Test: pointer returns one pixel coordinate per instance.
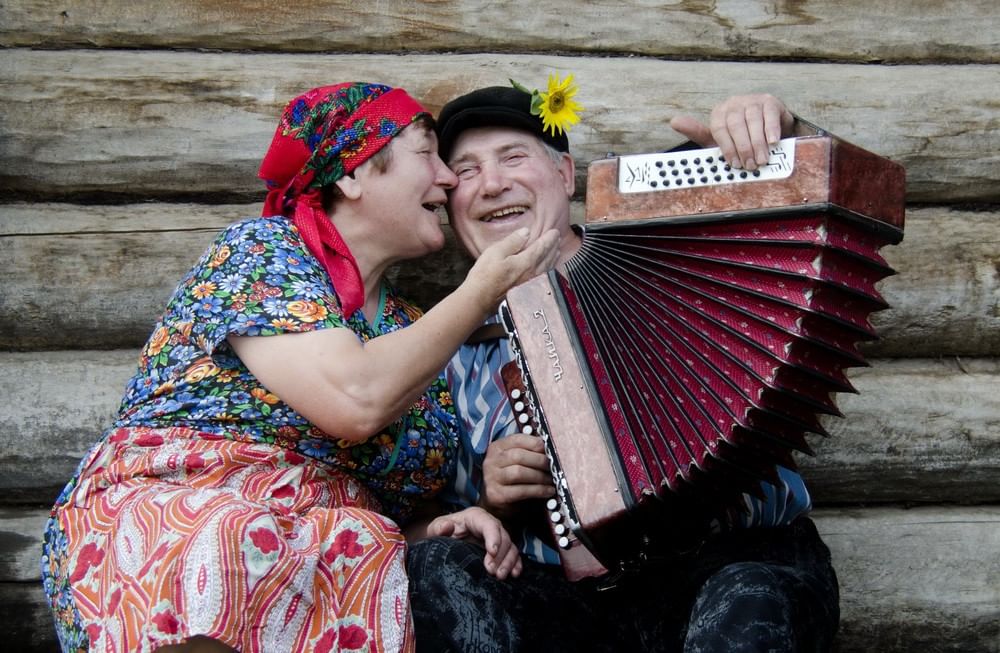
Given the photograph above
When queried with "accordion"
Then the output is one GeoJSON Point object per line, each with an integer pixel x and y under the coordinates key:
{"type": "Point", "coordinates": [699, 333]}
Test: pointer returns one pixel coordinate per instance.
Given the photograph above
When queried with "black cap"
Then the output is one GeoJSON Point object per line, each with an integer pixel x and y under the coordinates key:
{"type": "Point", "coordinates": [493, 106]}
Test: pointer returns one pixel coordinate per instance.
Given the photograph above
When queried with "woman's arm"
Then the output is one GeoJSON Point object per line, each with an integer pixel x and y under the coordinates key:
{"type": "Point", "coordinates": [352, 389]}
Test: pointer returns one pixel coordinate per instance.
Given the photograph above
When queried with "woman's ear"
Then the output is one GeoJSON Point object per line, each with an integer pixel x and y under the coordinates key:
{"type": "Point", "coordinates": [349, 186]}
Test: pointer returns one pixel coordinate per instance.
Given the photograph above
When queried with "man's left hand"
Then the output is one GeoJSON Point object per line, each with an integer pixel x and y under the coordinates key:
{"type": "Point", "coordinates": [742, 126]}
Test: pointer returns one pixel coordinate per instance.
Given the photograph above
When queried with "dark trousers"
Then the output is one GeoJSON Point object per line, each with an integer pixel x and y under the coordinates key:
{"type": "Point", "coordinates": [766, 589]}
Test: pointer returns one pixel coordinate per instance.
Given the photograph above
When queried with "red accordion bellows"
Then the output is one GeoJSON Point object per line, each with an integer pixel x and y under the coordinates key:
{"type": "Point", "coordinates": [704, 325]}
{"type": "Point", "coordinates": [700, 340]}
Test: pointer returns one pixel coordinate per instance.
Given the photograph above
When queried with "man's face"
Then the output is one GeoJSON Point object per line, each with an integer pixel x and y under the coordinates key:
{"type": "Point", "coordinates": [507, 180]}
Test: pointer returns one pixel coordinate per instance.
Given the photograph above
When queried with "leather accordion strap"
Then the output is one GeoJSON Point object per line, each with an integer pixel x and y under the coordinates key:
{"type": "Point", "coordinates": [486, 332]}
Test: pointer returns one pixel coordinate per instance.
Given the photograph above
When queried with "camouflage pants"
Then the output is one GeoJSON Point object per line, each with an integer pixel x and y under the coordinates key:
{"type": "Point", "coordinates": [770, 589]}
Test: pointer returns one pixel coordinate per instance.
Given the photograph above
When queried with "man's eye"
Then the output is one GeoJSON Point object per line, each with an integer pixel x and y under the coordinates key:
{"type": "Point", "coordinates": [514, 159]}
{"type": "Point", "coordinates": [465, 172]}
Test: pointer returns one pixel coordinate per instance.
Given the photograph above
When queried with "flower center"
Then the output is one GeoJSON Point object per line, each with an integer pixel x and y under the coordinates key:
{"type": "Point", "coordinates": [556, 102]}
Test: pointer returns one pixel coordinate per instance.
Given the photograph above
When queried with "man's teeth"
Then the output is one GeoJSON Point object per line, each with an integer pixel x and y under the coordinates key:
{"type": "Point", "coordinates": [502, 213]}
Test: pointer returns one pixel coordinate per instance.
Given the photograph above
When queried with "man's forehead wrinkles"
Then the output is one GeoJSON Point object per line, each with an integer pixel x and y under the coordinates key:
{"type": "Point", "coordinates": [479, 152]}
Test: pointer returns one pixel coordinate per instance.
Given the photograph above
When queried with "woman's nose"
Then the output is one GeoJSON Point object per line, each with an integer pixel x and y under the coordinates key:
{"type": "Point", "coordinates": [445, 177]}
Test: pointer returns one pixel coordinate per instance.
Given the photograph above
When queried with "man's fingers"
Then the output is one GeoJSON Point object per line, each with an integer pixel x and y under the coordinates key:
{"type": "Point", "coordinates": [723, 139]}
{"type": "Point", "coordinates": [520, 441]}
{"type": "Point", "coordinates": [774, 121]}
{"type": "Point", "coordinates": [523, 458]}
{"type": "Point", "coordinates": [739, 133]}
{"type": "Point", "coordinates": [693, 130]}
{"type": "Point", "coordinates": [753, 119]}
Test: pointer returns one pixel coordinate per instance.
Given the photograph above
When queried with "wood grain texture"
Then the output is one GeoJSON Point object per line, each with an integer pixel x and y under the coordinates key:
{"type": "Point", "coordinates": [916, 580]}
{"type": "Point", "coordinates": [853, 30]}
{"type": "Point", "coordinates": [910, 579]}
{"type": "Point", "coordinates": [97, 277]}
{"type": "Point", "coordinates": [185, 124]}
{"type": "Point", "coordinates": [921, 430]}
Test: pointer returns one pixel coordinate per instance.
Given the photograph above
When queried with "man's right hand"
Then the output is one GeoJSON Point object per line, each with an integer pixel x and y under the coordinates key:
{"type": "Point", "coordinates": [515, 468]}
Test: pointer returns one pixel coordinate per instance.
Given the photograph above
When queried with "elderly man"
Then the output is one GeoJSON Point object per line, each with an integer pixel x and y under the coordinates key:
{"type": "Point", "coordinates": [761, 583]}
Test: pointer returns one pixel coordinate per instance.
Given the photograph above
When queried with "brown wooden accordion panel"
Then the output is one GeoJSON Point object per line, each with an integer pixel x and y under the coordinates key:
{"type": "Point", "coordinates": [688, 354]}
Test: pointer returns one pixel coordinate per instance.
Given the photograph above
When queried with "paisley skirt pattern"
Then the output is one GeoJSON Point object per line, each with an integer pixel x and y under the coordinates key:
{"type": "Point", "coordinates": [168, 533]}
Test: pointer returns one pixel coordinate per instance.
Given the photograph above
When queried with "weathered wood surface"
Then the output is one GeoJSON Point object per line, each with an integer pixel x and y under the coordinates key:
{"type": "Point", "coordinates": [910, 579]}
{"type": "Point", "coordinates": [855, 30]}
{"type": "Point", "coordinates": [98, 276]}
{"type": "Point", "coordinates": [185, 124]}
{"type": "Point", "coordinates": [919, 430]}
{"type": "Point", "coordinates": [925, 579]}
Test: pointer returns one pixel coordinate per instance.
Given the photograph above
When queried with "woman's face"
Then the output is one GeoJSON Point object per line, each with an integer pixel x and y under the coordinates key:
{"type": "Point", "coordinates": [403, 202]}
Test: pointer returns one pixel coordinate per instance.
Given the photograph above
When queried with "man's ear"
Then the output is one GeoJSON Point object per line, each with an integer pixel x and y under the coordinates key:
{"type": "Point", "coordinates": [349, 186]}
{"type": "Point", "coordinates": [567, 170]}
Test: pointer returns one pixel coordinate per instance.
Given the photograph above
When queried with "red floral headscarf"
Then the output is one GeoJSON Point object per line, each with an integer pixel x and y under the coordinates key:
{"type": "Point", "coordinates": [323, 135]}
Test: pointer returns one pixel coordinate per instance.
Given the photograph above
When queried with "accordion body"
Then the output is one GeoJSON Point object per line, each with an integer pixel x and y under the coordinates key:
{"type": "Point", "coordinates": [699, 334]}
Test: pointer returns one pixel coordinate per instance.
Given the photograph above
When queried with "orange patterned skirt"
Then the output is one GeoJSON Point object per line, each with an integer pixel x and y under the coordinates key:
{"type": "Point", "coordinates": [170, 533]}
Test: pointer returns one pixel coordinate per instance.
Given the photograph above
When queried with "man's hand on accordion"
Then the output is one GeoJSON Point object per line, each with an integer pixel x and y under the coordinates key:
{"type": "Point", "coordinates": [502, 557]}
{"type": "Point", "coordinates": [742, 126]}
{"type": "Point", "coordinates": [515, 469]}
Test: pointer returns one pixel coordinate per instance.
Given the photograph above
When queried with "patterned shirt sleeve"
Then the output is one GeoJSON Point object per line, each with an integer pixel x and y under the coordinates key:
{"type": "Point", "coordinates": [257, 278]}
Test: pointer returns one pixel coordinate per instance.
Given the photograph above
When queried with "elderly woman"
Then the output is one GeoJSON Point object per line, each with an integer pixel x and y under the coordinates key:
{"type": "Point", "coordinates": [288, 410]}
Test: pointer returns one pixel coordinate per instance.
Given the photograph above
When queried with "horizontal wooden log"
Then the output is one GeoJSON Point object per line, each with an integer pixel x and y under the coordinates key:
{"type": "Point", "coordinates": [919, 430]}
{"type": "Point", "coordinates": [925, 579]}
{"type": "Point", "coordinates": [185, 124]}
{"type": "Point", "coordinates": [920, 579]}
{"type": "Point", "coordinates": [98, 276]}
{"type": "Point", "coordinates": [945, 297]}
{"type": "Point", "coordinates": [896, 31]}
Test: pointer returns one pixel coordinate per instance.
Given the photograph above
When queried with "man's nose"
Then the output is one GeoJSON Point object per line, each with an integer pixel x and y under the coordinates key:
{"type": "Point", "coordinates": [494, 179]}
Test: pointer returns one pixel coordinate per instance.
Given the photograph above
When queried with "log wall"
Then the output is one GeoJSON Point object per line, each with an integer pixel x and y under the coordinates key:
{"type": "Point", "coordinates": [130, 134]}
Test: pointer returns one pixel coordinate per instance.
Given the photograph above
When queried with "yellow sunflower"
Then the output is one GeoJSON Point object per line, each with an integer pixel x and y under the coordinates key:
{"type": "Point", "coordinates": [558, 110]}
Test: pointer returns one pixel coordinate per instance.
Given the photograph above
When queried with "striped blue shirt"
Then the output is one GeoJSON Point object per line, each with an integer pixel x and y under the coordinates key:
{"type": "Point", "coordinates": [484, 414]}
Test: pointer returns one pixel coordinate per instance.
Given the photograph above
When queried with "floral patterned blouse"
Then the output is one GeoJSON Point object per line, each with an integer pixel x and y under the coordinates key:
{"type": "Point", "coordinates": [258, 279]}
